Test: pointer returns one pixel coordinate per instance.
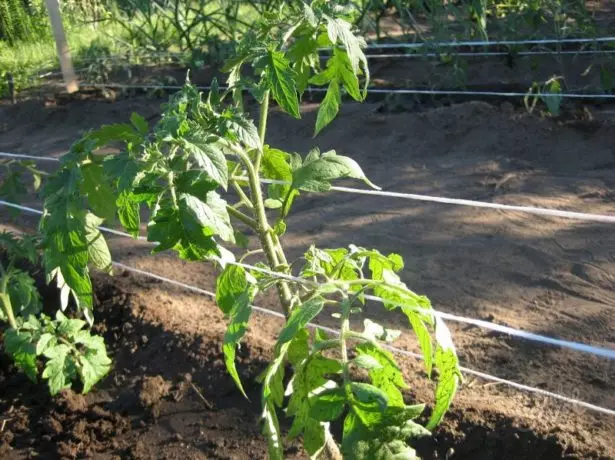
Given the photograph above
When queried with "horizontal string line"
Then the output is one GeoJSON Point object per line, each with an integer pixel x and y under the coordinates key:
{"type": "Point", "coordinates": [399, 351]}
{"type": "Point", "coordinates": [584, 348]}
{"type": "Point", "coordinates": [435, 92]}
{"type": "Point", "coordinates": [482, 375]}
{"type": "Point", "coordinates": [413, 196]}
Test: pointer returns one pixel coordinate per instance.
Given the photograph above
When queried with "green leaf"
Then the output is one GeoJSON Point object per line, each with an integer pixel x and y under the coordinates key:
{"type": "Point", "coordinates": [241, 240]}
{"type": "Point", "coordinates": [208, 155]}
{"type": "Point", "coordinates": [128, 213]}
{"type": "Point", "coordinates": [271, 431]}
{"type": "Point", "coordinates": [196, 183]}
{"type": "Point", "coordinates": [93, 365]}
{"type": "Point", "coordinates": [552, 97]}
{"type": "Point", "coordinates": [211, 215]}
{"type": "Point", "coordinates": [281, 81]}
{"type": "Point", "coordinates": [24, 296]}
{"type": "Point", "coordinates": [98, 251]}
{"type": "Point", "coordinates": [213, 97]}
{"type": "Point", "coordinates": [304, 57]}
{"type": "Point", "coordinates": [300, 316]}
{"type": "Point", "coordinates": [119, 132]}
{"type": "Point", "coordinates": [140, 123]}
{"type": "Point", "coordinates": [314, 437]}
{"type": "Point", "coordinates": [339, 70]}
{"type": "Point", "coordinates": [279, 228]}
{"type": "Point", "coordinates": [66, 251]}
{"type": "Point", "coordinates": [447, 363]}
{"type": "Point", "coordinates": [366, 362]}
{"type": "Point", "coordinates": [241, 129]}
{"type": "Point", "coordinates": [329, 107]}
{"type": "Point", "coordinates": [272, 396]}
{"type": "Point", "coordinates": [328, 405]}
{"type": "Point", "coordinates": [178, 229]}
{"type": "Point", "coordinates": [59, 369]}
{"type": "Point", "coordinates": [385, 441]}
{"type": "Point", "coordinates": [369, 394]}
{"type": "Point", "coordinates": [377, 332]}
{"type": "Point", "coordinates": [45, 341]}
{"type": "Point", "coordinates": [317, 171]}
{"type": "Point", "coordinates": [230, 285]}
{"type": "Point", "coordinates": [424, 337]}
{"type": "Point", "coordinates": [19, 345]}
{"type": "Point", "coordinates": [68, 327]}
{"type": "Point", "coordinates": [240, 314]}
{"type": "Point", "coordinates": [310, 379]}
{"type": "Point", "coordinates": [299, 348]}
{"type": "Point", "coordinates": [384, 372]}
{"type": "Point", "coordinates": [101, 196]}
{"type": "Point", "coordinates": [417, 308]}
{"type": "Point", "coordinates": [341, 31]}
{"type": "Point", "coordinates": [275, 165]}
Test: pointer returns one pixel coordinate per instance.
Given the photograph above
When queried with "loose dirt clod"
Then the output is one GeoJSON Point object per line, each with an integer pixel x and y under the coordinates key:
{"type": "Point", "coordinates": [71, 402]}
{"type": "Point", "coordinates": [153, 390]}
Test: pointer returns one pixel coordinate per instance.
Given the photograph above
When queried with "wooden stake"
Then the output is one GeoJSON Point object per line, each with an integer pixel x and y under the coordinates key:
{"type": "Point", "coordinates": [66, 63]}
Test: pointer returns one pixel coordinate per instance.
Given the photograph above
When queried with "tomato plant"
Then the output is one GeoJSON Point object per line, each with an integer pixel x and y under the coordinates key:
{"type": "Point", "coordinates": [66, 347]}
{"type": "Point", "coordinates": [182, 170]}
{"type": "Point", "coordinates": [63, 347]}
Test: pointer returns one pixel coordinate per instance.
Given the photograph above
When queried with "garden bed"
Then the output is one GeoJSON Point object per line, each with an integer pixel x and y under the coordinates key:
{"type": "Point", "coordinates": [169, 396]}
{"type": "Point", "coordinates": [550, 276]}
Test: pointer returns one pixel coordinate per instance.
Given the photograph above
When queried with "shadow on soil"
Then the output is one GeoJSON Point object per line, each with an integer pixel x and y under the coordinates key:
{"type": "Point", "coordinates": [149, 408]}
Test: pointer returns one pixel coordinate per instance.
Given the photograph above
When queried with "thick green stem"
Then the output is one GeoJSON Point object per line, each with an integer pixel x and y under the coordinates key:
{"type": "Point", "coordinates": [171, 180]}
{"type": "Point", "coordinates": [242, 217]}
{"type": "Point", "coordinates": [263, 229]}
{"type": "Point", "coordinates": [344, 330]}
{"type": "Point", "coordinates": [262, 124]}
{"type": "Point", "coordinates": [6, 301]}
{"type": "Point", "coordinates": [262, 129]}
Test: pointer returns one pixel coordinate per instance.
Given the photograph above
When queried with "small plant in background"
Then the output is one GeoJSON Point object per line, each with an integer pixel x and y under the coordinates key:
{"type": "Point", "coordinates": [549, 93]}
{"type": "Point", "coordinates": [201, 148]}
{"type": "Point", "coordinates": [16, 175]}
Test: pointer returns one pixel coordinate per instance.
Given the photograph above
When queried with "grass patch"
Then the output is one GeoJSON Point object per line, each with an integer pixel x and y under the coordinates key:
{"type": "Point", "coordinates": [26, 60]}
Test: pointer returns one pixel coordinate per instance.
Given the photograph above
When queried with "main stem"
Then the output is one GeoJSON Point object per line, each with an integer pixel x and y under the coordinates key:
{"type": "Point", "coordinates": [6, 301]}
{"type": "Point", "coordinates": [271, 242]}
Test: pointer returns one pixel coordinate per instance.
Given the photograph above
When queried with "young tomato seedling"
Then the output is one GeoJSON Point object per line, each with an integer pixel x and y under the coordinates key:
{"type": "Point", "coordinates": [69, 351]}
{"type": "Point", "coordinates": [183, 171]}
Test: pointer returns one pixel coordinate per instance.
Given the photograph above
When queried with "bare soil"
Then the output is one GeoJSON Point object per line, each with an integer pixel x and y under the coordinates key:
{"type": "Point", "coordinates": [546, 275]}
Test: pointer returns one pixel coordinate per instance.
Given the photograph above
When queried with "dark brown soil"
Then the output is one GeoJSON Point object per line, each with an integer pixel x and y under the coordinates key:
{"type": "Point", "coordinates": [169, 397]}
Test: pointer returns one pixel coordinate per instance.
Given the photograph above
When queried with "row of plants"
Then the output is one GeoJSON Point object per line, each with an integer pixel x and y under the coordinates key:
{"type": "Point", "coordinates": [206, 32]}
{"type": "Point", "coordinates": [176, 173]}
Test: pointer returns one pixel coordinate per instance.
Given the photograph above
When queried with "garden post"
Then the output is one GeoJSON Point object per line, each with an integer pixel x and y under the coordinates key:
{"type": "Point", "coordinates": [66, 63]}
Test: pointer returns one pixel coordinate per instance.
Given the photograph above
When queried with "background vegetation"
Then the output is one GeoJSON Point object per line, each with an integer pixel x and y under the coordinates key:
{"type": "Point", "coordinates": [205, 31]}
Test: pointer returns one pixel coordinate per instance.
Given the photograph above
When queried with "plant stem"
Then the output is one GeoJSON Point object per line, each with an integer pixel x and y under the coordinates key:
{"type": "Point", "coordinates": [262, 130]}
{"type": "Point", "coordinates": [242, 194]}
{"type": "Point", "coordinates": [250, 253]}
{"type": "Point", "coordinates": [262, 124]}
{"type": "Point", "coordinates": [263, 229]}
{"type": "Point", "coordinates": [6, 301]}
{"type": "Point", "coordinates": [171, 179]}
{"type": "Point", "coordinates": [344, 330]}
{"type": "Point", "coordinates": [331, 446]}
{"type": "Point", "coordinates": [242, 217]}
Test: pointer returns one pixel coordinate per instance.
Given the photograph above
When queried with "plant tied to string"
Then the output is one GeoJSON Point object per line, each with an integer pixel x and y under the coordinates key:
{"type": "Point", "coordinates": [198, 173]}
